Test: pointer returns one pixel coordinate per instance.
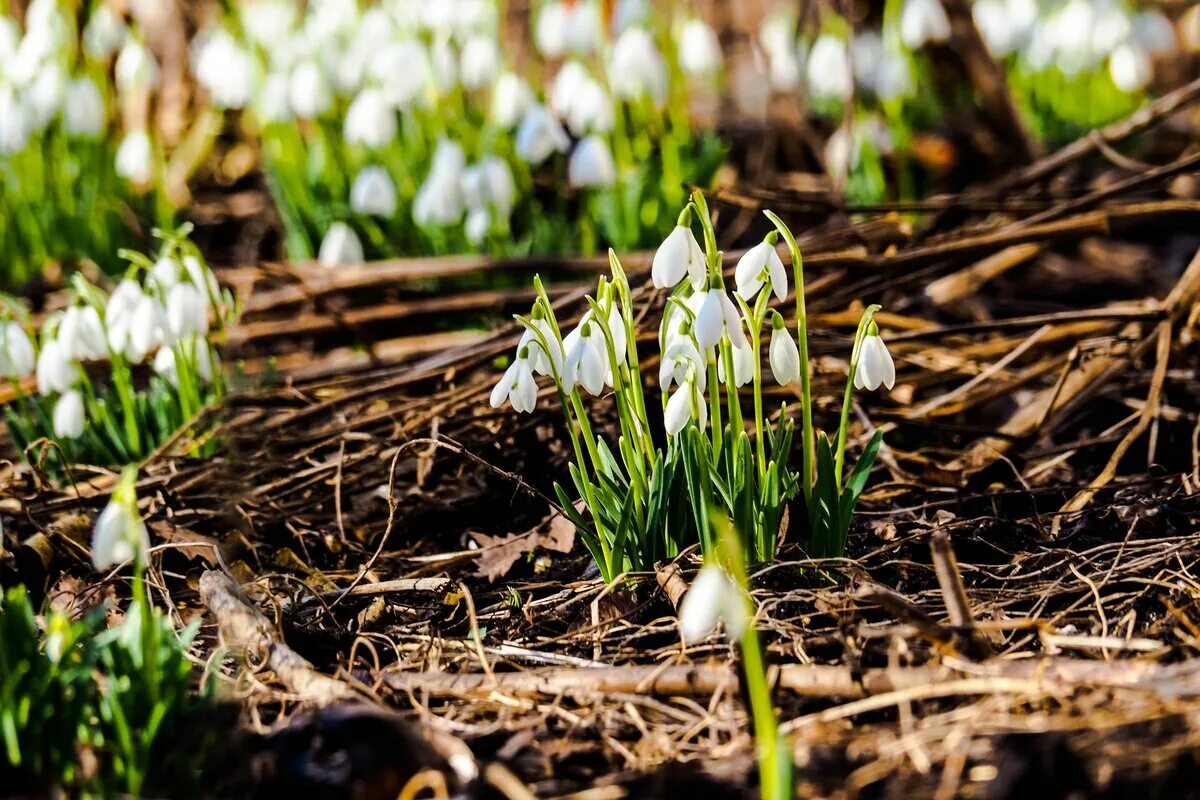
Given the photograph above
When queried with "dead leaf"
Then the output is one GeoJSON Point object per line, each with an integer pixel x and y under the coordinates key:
{"type": "Point", "coordinates": [191, 544]}
{"type": "Point", "coordinates": [498, 554]}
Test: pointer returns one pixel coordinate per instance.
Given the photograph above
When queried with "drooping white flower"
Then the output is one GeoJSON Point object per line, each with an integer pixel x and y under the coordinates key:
{"type": "Point", "coordinates": [875, 365]}
{"type": "Point", "coordinates": [699, 49]}
{"type": "Point", "coordinates": [202, 277]}
{"type": "Point", "coordinates": [679, 357]}
{"type": "Point", "coordinates": [586, 361]}
{"type": "Point", "coordinates": [136, 70]}
{"type": "Point", "coordinates": [637, 69]}
{"type": "Point", "coordinates": [104, 33]}
{"type": "Point", "coordinates": [45, 94]}
{"type": "Point", "coordinates": [679, 255]}
{"type": "Point", "coordinates": [686, 405]}
{"type": "Point", "coordinates": [187, 312]}
{"type": "Point", "coordinates": [1130, 67]}
{"type": "Point", "coordinates": [584, 29]}
{"type": "Point", "coordinates": [199, 353]}
{"type": "Point", "coordinates": [539, 136]}
{"type": "Point", "coordinates": [479, 62]}
{"type": "Point", "coordinates": [15, 123]}
{"type": "Point", "coordinates": [783, 354]}
{"type": "Point", "coordinates": [591, 164]}
{"type": "Point", "coordinates": [761, 264]}
{"type": "Point", "coordinates": [404, 72]}
{"type": "Point", "coordinates": [55, 370]}
{"type": "Point", "coordinates": [271, 102]}
{"type": "Point", "coordinates": [83, 111]}
{"type": "Point", "coordinates": [511, 98]}
{"type": "Point", "coordinates": [67, 417]}
{"type": "Point", "coordinates": [777, 35]}
{"type": "Point", "coordinates": [590, 109]}
{"type": "Point", "coordinates": [81, 334]}
{"type": "Point", "coordinates": [370, 120]}
{"type": "Point", "coordinates": [743, 359]}
{"type": "Point", "coordinates": [488, 185]}
{"type": "Point", "coordinates": [543, 362]}
{"type": "Point", "coordinates": [120, 534]}
{"type": "Point", "coordinates": [477, 224]}
{"type": "Point", "coordinates": [923, 21]}
{"type": "Point", "coordinates": [713, 597]}
{"type": "Point", "coordinates": [443, 65]}
{"type": "Point", "coordinates": [996, 25]}
{"type": "Point", "coordinates": [719, 316]}
{"type": "Point", "coordinates": [266, 21]}
{"type": "Point", "coordinates": [340, 246]}
{"type": "Point", "coordinates": [135, 158]}
{"type": "Point", "coordinates": [439, 200]}
{"type": "Point", "coordinates": [225, 70]}
{"type": "Point", "coordinates": [517, 386]}
{"type": "Point", "coordinates": [829, 75]}
{"type": "Point", "coordinates": [309, 93]}
{"type": "Point", "coordinates": [16, 352]}
{"type": "Point", "coordinates": [373, 192]}
{"type": "Point", "coordinates": [550, 29]}
{"type": "Point", "coordinates": [566, 81]}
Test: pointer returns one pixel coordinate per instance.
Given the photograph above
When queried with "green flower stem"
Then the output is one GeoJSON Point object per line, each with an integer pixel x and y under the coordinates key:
{"type": "Point", "coordinates": [848, 397]}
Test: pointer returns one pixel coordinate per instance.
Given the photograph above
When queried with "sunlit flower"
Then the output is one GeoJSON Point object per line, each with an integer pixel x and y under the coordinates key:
{"type": "Point", "coordinates": [104, 33]}
{"type": "Point", "coordinates": [373, 192]}
{"type": "Point", "coordinates": [309, 93]}
{"type": "Point", "coordinates": [488, 185]}
{"type": "Point", "coordinates": [511, 98]}
{"type": "Point", "coordinates": [699, 49]}
{"type": "Point", "coordinates": [45, 94]}
{"type": "Point", "coordinates": [225, 70]}
{"type": "Point", "coordinates": [778, 39]}
{"type": "Point", "coordinates": [586, 361]}
{"type": "Point", "coordinates": [584, 27]}
{"type": "Point", "coordinates": [543, 362]}
{"type": "Point", "coordinates": [783, 354]}
{"type": "Point", "coordinates": [591, 109]}
{"type": "Point", "coordinates": [479, 62]}
{"type": "Point", "coordinates": [637, 69]}
{"type": "Point", "coordinates": [761, 264]}
{"type": "Point", "coordinates": [539, 136]}
{"type": "Point", "coordinates": [829, 75]}
{"type": "Point", "coordinates": [1130, 67]}
{"type": "Point", "coordinates": [680, 356]}
{"type": "Point", "coordinates": [370, 120]}
{"type": "Point", "coordinates": [340, 246]}
{"type": "Point", "coordinates": [719, 316]}
{"type": "Point", "coordinates": [135, 158]}
{"type": "Point", "coordinates": [713, 597]}
{"type": "Point", "coordinates": [16, 351]}
{"type": "Point", "coordinates": [403, 71]}
{"type": "Point", "coordinates": [15, 123]}
{"type": "Point", "coordinates": [686, 405]}
{"type": "Point", "coordinates": [550, 29]}
{"type": "Point", "coordinates": [744, 359]}
{"type": "Point", "coordinates": [136, 70]}
{"type": "Point", "coordinates": [84, 113]}
{"type": "Point", "coordinates": [517, 386]}
{"type": "Point", "coordinates": [120, 534]}
{"type": "Point", "coordinates": [187, 312]}
{"type": "Point", "coordinates": [67, 417]}
{"type": "Point", "coordinates": [875, 365]}
{"type": "Point", "coordinates": [923, 21]}
{"type": "Point", "coordinates": [440, 201]}
{"type": "Point", "coordinates": [81, 334]}
{"type": "Point", "coordinates": [591, 164]}
{"type": "Point", "coordinates": [55, 370]}
{"type": "Point", "coordinates": [679, 255]}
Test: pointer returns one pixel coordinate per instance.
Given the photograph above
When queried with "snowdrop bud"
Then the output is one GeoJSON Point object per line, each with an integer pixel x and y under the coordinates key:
{"type": "Point", "coordinates": [829, 75]}
{"type": "Point", "coordinates": [759, 265]}
{"type": "Point", "coordinates": [84, 113]}
{"type": "Point", "coordinates": [187, 311]}
{"type": "Point", "coordinates": [15, 122]}
{"type": "Point", "coordinates": [104, 33]}
{"type": "Point", "coordinates": [783, 353]}
{"type": "Point", "coordinates": [699, 49]}
{"type": "Point", "coordinates": [480, 61]}
{"type": "Point", "coordinates": [550, 29]}
{"type": "Point", "coordinates": [55, 370]}
{"type": "Point", "coordinates": [511, 98]}
{"type": "Point", "coordinates": [679, 255]}
{"type": "Point", "coordinates": [591, 164]}
{"type": "Point", "coordinates": [875, 365]}
{"type": "Point", "coordinates": [712, 598]}
{"type": "Point", "coordinates": [373, 192]}
{"type": "Point", "coordinates": [82, 334]}
{"type": "Point", "coordinates": [1130, 67]}
{"type": "Point", "coordinates": [923, 21]}
{"type": "Point", "coordinates": [309, 93]}
{"type": "Point", "coordinates": [16, 352]}
{"type": "Point", "coordinates": [135, 160]}
{"type": "Point", "coordinates": [136, 70]}
{"type": "Point", "coordinates": [67, 418]}
{"type": "Point", "coordinates": [340, 246]}
{"type": "Point", "coordinates": [637, 68]}
{"type": "Point", "coordinates": [120, 534]}
{"type": "Point", "coordinates": [539, 136]}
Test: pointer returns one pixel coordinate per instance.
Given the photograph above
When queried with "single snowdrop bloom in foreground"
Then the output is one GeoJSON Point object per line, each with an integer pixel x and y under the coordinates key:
{"type": "Point", "coordinates": [875, 365]}
{"type": "Point", "coordinates": [16, 352]}
{"type": "Point", "coordinates": [743, 365]}
{"type": "Point", "coordinates": [923, 21]}
{"type": "Point", "coordinates": [712, 598]}
{"type": "Point", "coordinates": [586, 361]}
{"type": "Point", "coordinates": [678, 358]}
{"type": "Point", "coordinates": [373, 192]}
{"type": "Point", "coordinates": [517, 385]}
{"type": "Point", "coordinates": [539, 136]}
{"type": "Point", "coordinates": [718, 315]}
{"type": "Point", "coordinates": [120, 534]}
{"type": "Point", "coordinates": [685, 405]}
{"type": "Point", "coordinates": [761, 264]}
{"type": "Point", "coordinates": [135, 158]}
{"type": "Point", "coordinates": [591, 164]}
{"type": "Point", "coordinates": [340, 246]}
{"type": "Point", "coordinates": [68, 415]}
{"type": "Point", "coordinates": [783, 353]}
{"type": "Point", "coordinates": [679, 255]}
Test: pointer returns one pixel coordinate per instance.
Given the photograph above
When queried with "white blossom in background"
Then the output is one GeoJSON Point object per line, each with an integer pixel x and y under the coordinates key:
{"type": "Point", "coordinates": [15, 125]}
{"type": "Point", "coordinates": [591, 164]}
{"type": "Point", "coordinates": [17, 360]}
{"type": "Point", "coordinates": [225, 70]}
{"type": "Point", "coordinates": [104, 33]}
{"type": "Point", "coordinates": [922, 22]}
{"type": "Point", "coordinates": [479, 62]}
{"type": "Point", "coordinates": [135, 158]}
{"type": "Point", "coordinates": [309, 93]}
{"type": "Point", "coordinates": [371, 120]}
{"type": "Point", "coordinates": [84, 112]}
{"type": "Point", "coordinates": [439, 200]}
{"type": "Point", "coordinates": [187, 312]}
{"type": "Point", "coordinates": [271, 104]}
{"type": "Point", "coordinates": [489, 185]}
{"type": "Point", "coordinates": [1153, 31]}
{"type": "Point", "coordinates": [564, 85]}
{"type": "Point", "coordinates": [550, 29]}
{"type": "Point", "coordinates": [880, 68]}
{"type": "Point", "coordinates": [203, 359]}
{"type": "Point", "coordinates": [267, 21]}
{"type": "Point", "coordinates": [1130, 67]}
{"type": "Point", "coordinates": [828, 69]}
{"type": "Point", "coordinates": [120, 535]}
{"type": "Point", "coordinates": [760, 266]}
{"type": "Point", "coordinates": [511, 98]}
{"type": "Point", "coordinates": [743, 365]}
{"type": "Point", "coordinates": [997, 27]}
{"type": "Point", "coordinates": [636, 68]}
{"type": "Point", "coordinates": [81, 334]}
{"type": "Point", "coordinates": [591, 109]}
{"type": "Point", "coordinates": [55, 371]}
{"type": "Point", "coordinates": [403, 71]}
{"type": "Point", "coordinates": [340, 246]}
{"type": "Point", "coordinates": [45, 94]}
{"type": "Point", "coordinates": [875, 365]}
{"type": "Point", "coordinates": [699, 49]}
{"type": "Point", "coordinates": [373, 192]}
{"type": "Point", "coordinates": [539, 136]}
{"type": "Point", "coordinates": [10, 38]}
{"type": "Point", "coordinates": [443, 66]}
{"type": "Point", "coordinates": [777, 37]}
{"type": "Point", "coordinates": [67, 417]}
{"type": "Point", "coordinates": [136, 70]}
{"type": "Point", "coordinates": [679, 255]}
{"type": "Point", "coordinates": [584, 29]}
{"type": "Point", "coordinates": [712, 598]}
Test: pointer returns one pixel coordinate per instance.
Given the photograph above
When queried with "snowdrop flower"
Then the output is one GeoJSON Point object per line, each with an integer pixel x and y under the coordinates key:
{"type": "Point", "coordinates": [880, 68]}
{"type": "Point", "coordinates": [443, 65]}
{"type": "Point", "coordinates": [517, 386]}
{"type": "Point", "coordinates": [187, 312]}
{"type": "Point", "coordinates": [370, 120]}
{"type": "Point", "coordinates": [679, 255]}
{"type": "Point", "coordinates": [15, 123]}
{"type": "Point", "coordinates": [340, 246]}
{"type": "Point", "coordinates": [104, 33]}
{"type": "Point", "coordinates": [477, 224]}
{"type": "Point", "coordinates": [403, 71]}
{"type": "Point", "coordinates": [637, 68]}
{"type": "Point", "coordinates": [479, 62]}
{"type": "Point", "coordinates": [16, 352]}
{"type": "Point", "coordinates": [843, 152]}
{"type": "Point", "coordinates": [67, 417]}
{"type": "Point", "coordinates": [81, 334]}
{"type": "Point", "coordinates": [923, 21]}
{"type": "Point", "coordinates": [136, 70]}
{"type": "Point", "coordinates": [309, 94]}
{"type": "Point", "coordinates": [590, 109]}
{"type": "Point", "coordinates": [699, 49]}
{"type": "Point", "coordinates": [591, 164]}
{"type": "Point", "coordinates": [201, 276]}
{"type": "Point", "coordinates": [680, 407]}
{"type": "Point", "coordinates": [996, 25]}
{"type": "Point", "coordinates": [1153, 31]}
{"type": "Point", "coordinates": [543, 362]}
{"type": "Point", "coordinates": [719, 316]}
{"type": "Point", "coordinates": [45, 95]}
{"type": "Point", "coordinates": [712, 598]}
{"type": "Point", "coordinates": [120, 534]}
{"type": "Point", "coordinates": [225, 70]}
{"type": "Point", "coordinates": [783, 354]}
{"type": "Point", "coordinates": [439, 201]}
{"type": "Point", "coordinates": [829, 75]}
{"type": "Point", "coordinates": [489, 185]}
{"type": "Point", "coordinates": [203, 360]}
{"type": "Point", "coordinates": [511, 98]}
{"type": "Point", "coordinates": [135, 162]}
{"type": "Point", "coordinates": [761, 264]}
{"type": "Point", "coordinates": [743, 359]}
{"type": "Point", "coordinates": [271, 104]}
{"type": "Point", "coordinates": [134, 322]}
{"type": "Point", "coordinates": [165, 273]}
{"type": "Point", "coordinates": [373, 192]}
{"type": "Point", "coordinates": [539, 136]}
{"type": "Point", "coordinates": [84, 113]}
{"type": "Point", "coordinates": [10, 38]}
{"type": "Point", "coordinates": [584, 27]}
{"type": "Point", "coordinates": [265, 21]}
{"type": "Point", "coordinates": [875, 365]}
{"type": "Point", "coordinates": [778, 39]}
{"type": "Point", "coordinates": [566, 81]}
{"type": "Point", "coordinates": [1130, 67]}
{"type": "Point", "coordinates": [678, 358]}
{"type": "Point", "coordinates": [55, 370]}
{"type": "Point", "coordinates": [550, 29]}
{"type": "Point", "coordinates": [586, 361]}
